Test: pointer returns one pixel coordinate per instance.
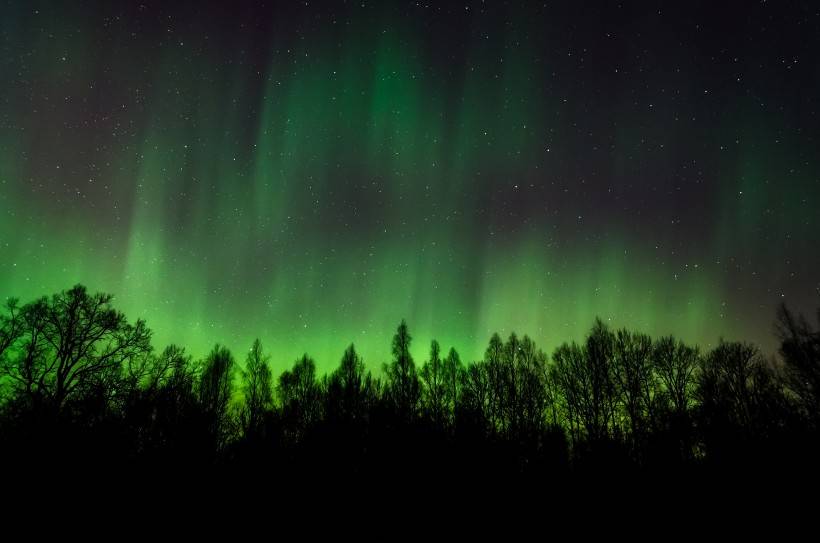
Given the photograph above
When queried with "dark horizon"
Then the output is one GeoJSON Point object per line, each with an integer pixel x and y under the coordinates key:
{"type": "Point", "coordinates": [78, 377]}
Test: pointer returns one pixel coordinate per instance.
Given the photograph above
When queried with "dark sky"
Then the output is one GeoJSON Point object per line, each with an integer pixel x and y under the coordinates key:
{"type": "Point", "coordinates": [311, 173]}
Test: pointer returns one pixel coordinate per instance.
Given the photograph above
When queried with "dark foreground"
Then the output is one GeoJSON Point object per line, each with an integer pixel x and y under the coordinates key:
{"type": "Point", "coordinates": [89, 406]}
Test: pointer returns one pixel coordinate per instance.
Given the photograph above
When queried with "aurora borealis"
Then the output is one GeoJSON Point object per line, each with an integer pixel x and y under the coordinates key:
{"type": "Point", "coordinates": [312, 173]}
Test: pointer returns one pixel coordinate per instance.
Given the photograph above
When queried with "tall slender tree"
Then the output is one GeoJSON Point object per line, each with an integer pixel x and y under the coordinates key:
{"type": "Point", "coordinates": [402, 380]}
{"type": "Point", "coordinates": [453, 377]}
{"type": "Point", "coordinates": [215, 390]}
{"type": "Point", "coordinates": [256, 389]}
{"type": "Point", "coordinates": [434, 386]}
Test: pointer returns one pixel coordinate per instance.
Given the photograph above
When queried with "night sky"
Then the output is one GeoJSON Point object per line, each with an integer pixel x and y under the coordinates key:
{"type": "Point", "coordinates": [311, 173]}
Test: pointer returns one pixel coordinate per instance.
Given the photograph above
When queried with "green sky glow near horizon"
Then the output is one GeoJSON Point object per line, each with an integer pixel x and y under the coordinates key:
{"type": "Point", "coordinates": [314, 190]}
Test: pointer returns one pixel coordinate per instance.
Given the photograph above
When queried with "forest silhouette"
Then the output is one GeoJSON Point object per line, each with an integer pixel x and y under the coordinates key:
{"type": "Point", "coordinates": [84, 393]}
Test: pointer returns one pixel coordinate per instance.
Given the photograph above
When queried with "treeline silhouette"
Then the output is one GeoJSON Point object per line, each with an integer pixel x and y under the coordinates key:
{"type": "Point", "coordinates": [83, 392]}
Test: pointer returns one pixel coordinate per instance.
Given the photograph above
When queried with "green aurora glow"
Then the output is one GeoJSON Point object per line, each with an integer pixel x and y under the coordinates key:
{"type": "Point", "coordinates": [359, 175]}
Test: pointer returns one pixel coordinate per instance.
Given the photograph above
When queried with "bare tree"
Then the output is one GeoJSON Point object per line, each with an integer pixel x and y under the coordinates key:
{"type": "Point", "coordinates": [11, 327]}
{"type": "Point", "coordinates": [434, 385]}
{"type": "Point", "coordinates": [675, 364]}
{"type": "Point", "coordinates": [532, 393]}
{"type": "Point", "coordinates": [453, 370]}
{"type": "Point", "coordinates": [496, 375]}
{"type": "Point", "coordinates": [632, 357]}
{"type": "Point", "coordinates": [736, 385]}
{"type": "Point", "coordinates": [215, 389]}
{"type": "Point", "coordinates": [72, 342]}
{"type": "Point", "coordinates": [474, 405]}
{"type": "Point", "coordinates": [585, 378]}
{"type": "Point", "coordinates": [800, 349]}
{"type": "Point", "coordinates": [569, 375]}
{"type": "Point", "coordinates": [256, 389]}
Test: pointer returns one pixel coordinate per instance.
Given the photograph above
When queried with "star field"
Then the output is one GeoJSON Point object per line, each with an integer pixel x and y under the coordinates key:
{"type": "Point", "coordinates": [311, 173]}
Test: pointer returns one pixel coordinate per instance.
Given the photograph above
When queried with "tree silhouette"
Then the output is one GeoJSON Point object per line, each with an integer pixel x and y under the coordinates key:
{"type": "Point", "coordinates": [585, 376]}
{"type": "Point", "coordinates": [453, 377]}
{"type": "Point", "coordinates": [73, 343]}
{"type": "Point", "coordinates": [257, 390]}
{"type": "Point", "coordinates": [507, 386]}
{"type": "Point", "coordinates": [495, 373]}
{"type": "Point", "coordinates": [434, 385]}
{"type": "Point", "coordinates": [632, 357]}
{"type": "Point", "coordinates": [402, 382]}
{"type": "Point", "coordinates": [741, 402]}
{"type": "Point", "coordinates": [162, 411]}
{"type": "Point", "coordinates": [675, 364]}
{"type": "Point", "coordinates": [299, 396]}
{"type": "Point", "coordinates": [516, 372]}
{"type": "Point", "coordinates": [800, 349]}
{"type": "Point", "coordinates": [474, 408]}
{"type": "Point", "coordinates": [11, 328]}
{"type": "Point", "coordinates": [531, 393]}
{"type": "Point", "coordinates": [157, 372]}
{"type": "Point", "coordinates": [726, 380]}
{"type": "Point", "coordinates": [215, 388]}
{"type": "Point", "coordinates": [350, 390]}
{"type": "Point", "coordinates": [83, 385]}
